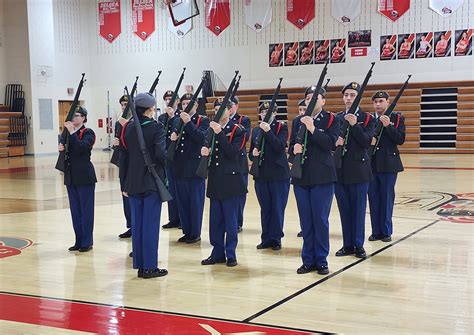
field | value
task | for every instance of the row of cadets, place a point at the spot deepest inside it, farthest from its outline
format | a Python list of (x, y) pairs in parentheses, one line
[(189, 188), (314, 191), (273, 183), (167, 119), (244, 121), (386, 164), (140, 187), (225, 187), (80, 179)]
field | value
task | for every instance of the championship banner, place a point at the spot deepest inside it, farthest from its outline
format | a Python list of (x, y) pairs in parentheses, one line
[(291, 53), (445, 7), (258, 14), (360, 38), (424, 45), (463, 46), (321, 54), (442, 43), (143, 18), (275, 55), (406, 50), (393, 9), (109, 20), (338, 50), (306, 52), (345, 11), (217, 14), (300, 12), (388, 47)]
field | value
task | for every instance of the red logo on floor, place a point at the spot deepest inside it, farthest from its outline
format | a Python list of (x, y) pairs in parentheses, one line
[(12, 246)]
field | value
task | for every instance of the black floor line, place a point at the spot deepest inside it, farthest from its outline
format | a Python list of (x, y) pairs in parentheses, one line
[(332, 275)]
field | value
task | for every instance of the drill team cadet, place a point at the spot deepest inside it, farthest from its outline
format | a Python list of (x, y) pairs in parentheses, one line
[(140, 187), (386, 164), (190, 189)]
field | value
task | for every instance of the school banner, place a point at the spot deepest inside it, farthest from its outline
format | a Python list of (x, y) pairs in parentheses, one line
[(345, 11), (445, 7), (258, 14), (300, 12), (393, 9), (217, 15), (109, 20), (143, 18)]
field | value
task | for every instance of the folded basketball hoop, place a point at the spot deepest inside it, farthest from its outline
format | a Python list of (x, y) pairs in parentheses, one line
[(182, 10)]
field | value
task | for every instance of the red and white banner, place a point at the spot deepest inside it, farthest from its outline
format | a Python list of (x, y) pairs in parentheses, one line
[(143, 18), (345, 11), (217, 14), (258, 14), (300, 12), (445, 7), (109, 20), (393, 9)]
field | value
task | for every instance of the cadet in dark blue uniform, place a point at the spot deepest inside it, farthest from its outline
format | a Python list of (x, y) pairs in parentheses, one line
[(354, 175), (126, 205), (315, 190), (273, 183), (167, 119), (80, 179), (145, 202), (301, 111), (225, 187), (190, 189), (244, 163), (386, 164)]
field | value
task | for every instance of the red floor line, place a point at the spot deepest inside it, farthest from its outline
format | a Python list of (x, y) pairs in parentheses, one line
[(103, 319)]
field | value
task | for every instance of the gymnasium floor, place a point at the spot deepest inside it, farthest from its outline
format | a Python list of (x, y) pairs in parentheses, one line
[(421, 282)]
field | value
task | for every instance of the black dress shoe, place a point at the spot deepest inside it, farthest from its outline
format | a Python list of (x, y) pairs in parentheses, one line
[(73, 248), (360, 252), (193, 240), (300, 234), (231, 262), (387, 239), (264, 246), (171, 225), (276, 247), (127, 234), (322, 270), (239, 229), (304, 269), (345, 252), (85, 249), (211, 261), (183, 239), (147, 274), (374, 237), (130, 254), (140, 273)]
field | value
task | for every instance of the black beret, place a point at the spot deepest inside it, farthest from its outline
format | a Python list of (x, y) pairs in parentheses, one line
[(168, 94), (312, 90), (380, 95), (353, 86), (187, 96), (123, 98), (145, 100), (302, 103)]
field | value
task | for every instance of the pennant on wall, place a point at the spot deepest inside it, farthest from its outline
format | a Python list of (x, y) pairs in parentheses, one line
[(143, 18), (180, 30), (345, 11), (393, 9), (217, 14), (258, 14), (109, 20), (184, 10), (300, 12), (445, 7)]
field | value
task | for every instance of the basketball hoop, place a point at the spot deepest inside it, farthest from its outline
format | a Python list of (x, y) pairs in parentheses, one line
[(181, 10)]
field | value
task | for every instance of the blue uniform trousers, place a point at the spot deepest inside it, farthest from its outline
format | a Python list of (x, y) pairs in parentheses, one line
[(146, 211), (242, 201), (126, 211), (223, 227), (352, 202), (81, 203), (314, 205), (190, 202), (173, 214), (272, 197), (381, 200)]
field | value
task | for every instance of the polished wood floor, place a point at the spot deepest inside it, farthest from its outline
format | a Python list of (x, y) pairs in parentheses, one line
[(421, 282)]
